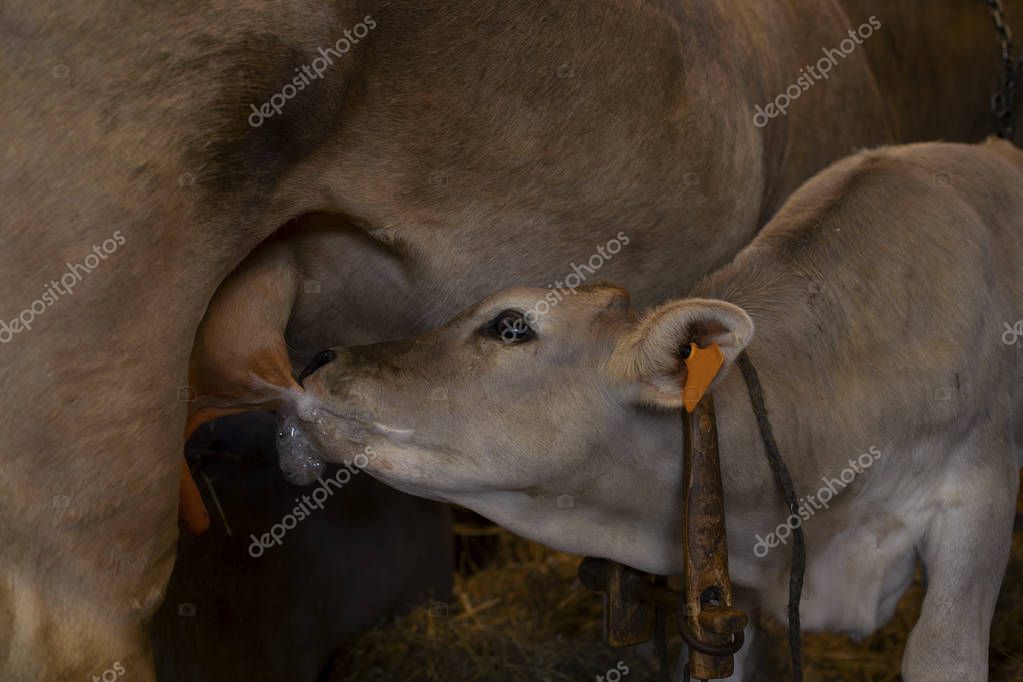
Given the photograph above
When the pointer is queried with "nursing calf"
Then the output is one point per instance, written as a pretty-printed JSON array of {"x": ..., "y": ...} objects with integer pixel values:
[{"x": 877, "y": 295}]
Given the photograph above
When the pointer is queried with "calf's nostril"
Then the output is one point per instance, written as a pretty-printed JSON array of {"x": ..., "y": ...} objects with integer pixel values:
[{"x": 321, "y": 359}]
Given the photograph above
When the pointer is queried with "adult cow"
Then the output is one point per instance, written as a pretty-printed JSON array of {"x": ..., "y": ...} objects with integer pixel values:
[{"x": 451, "y": 148}]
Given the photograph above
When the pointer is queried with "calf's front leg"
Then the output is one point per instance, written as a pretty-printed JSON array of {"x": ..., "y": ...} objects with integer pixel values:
[{"x": 965, "y": 549}]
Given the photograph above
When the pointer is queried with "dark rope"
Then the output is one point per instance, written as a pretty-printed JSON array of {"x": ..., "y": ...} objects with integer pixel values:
[{"x": 781, "y": 475}]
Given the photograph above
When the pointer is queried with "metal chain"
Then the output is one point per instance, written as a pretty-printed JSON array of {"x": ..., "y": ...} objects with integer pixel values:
[{"x": 1003, "y": 100}]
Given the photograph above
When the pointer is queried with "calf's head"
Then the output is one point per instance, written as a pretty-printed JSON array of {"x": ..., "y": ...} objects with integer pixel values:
[{"x": 556, "y": 416}]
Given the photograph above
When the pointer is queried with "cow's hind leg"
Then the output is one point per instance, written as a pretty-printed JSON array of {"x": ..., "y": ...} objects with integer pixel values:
[{"x": 965, "y": 549}]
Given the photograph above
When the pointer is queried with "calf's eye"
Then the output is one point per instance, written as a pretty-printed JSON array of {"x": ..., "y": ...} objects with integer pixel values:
[{"x": 511, "y": 327}]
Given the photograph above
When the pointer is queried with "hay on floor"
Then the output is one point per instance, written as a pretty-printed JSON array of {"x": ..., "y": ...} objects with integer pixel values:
[{"x": 524, "y": 616}]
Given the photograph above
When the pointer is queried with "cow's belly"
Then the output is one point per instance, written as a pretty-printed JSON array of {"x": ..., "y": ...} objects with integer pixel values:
[
  {"x": 861, "y": 558},
  {"x": 854, "y": 582}
]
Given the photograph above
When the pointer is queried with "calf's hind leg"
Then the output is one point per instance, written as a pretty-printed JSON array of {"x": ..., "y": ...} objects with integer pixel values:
[{"x": 965, "y": 548}]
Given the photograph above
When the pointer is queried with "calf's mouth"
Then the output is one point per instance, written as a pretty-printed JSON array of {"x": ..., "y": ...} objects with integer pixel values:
[{"x": 324, "y": 424}]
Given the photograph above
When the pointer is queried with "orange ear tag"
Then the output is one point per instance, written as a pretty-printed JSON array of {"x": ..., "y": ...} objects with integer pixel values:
[{"x": 702, "y": 366}]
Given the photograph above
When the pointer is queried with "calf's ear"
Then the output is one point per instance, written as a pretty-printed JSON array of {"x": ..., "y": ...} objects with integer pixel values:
[
  {"x": 649, "y": 357},
  {"x": 240, "y": 361}
]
